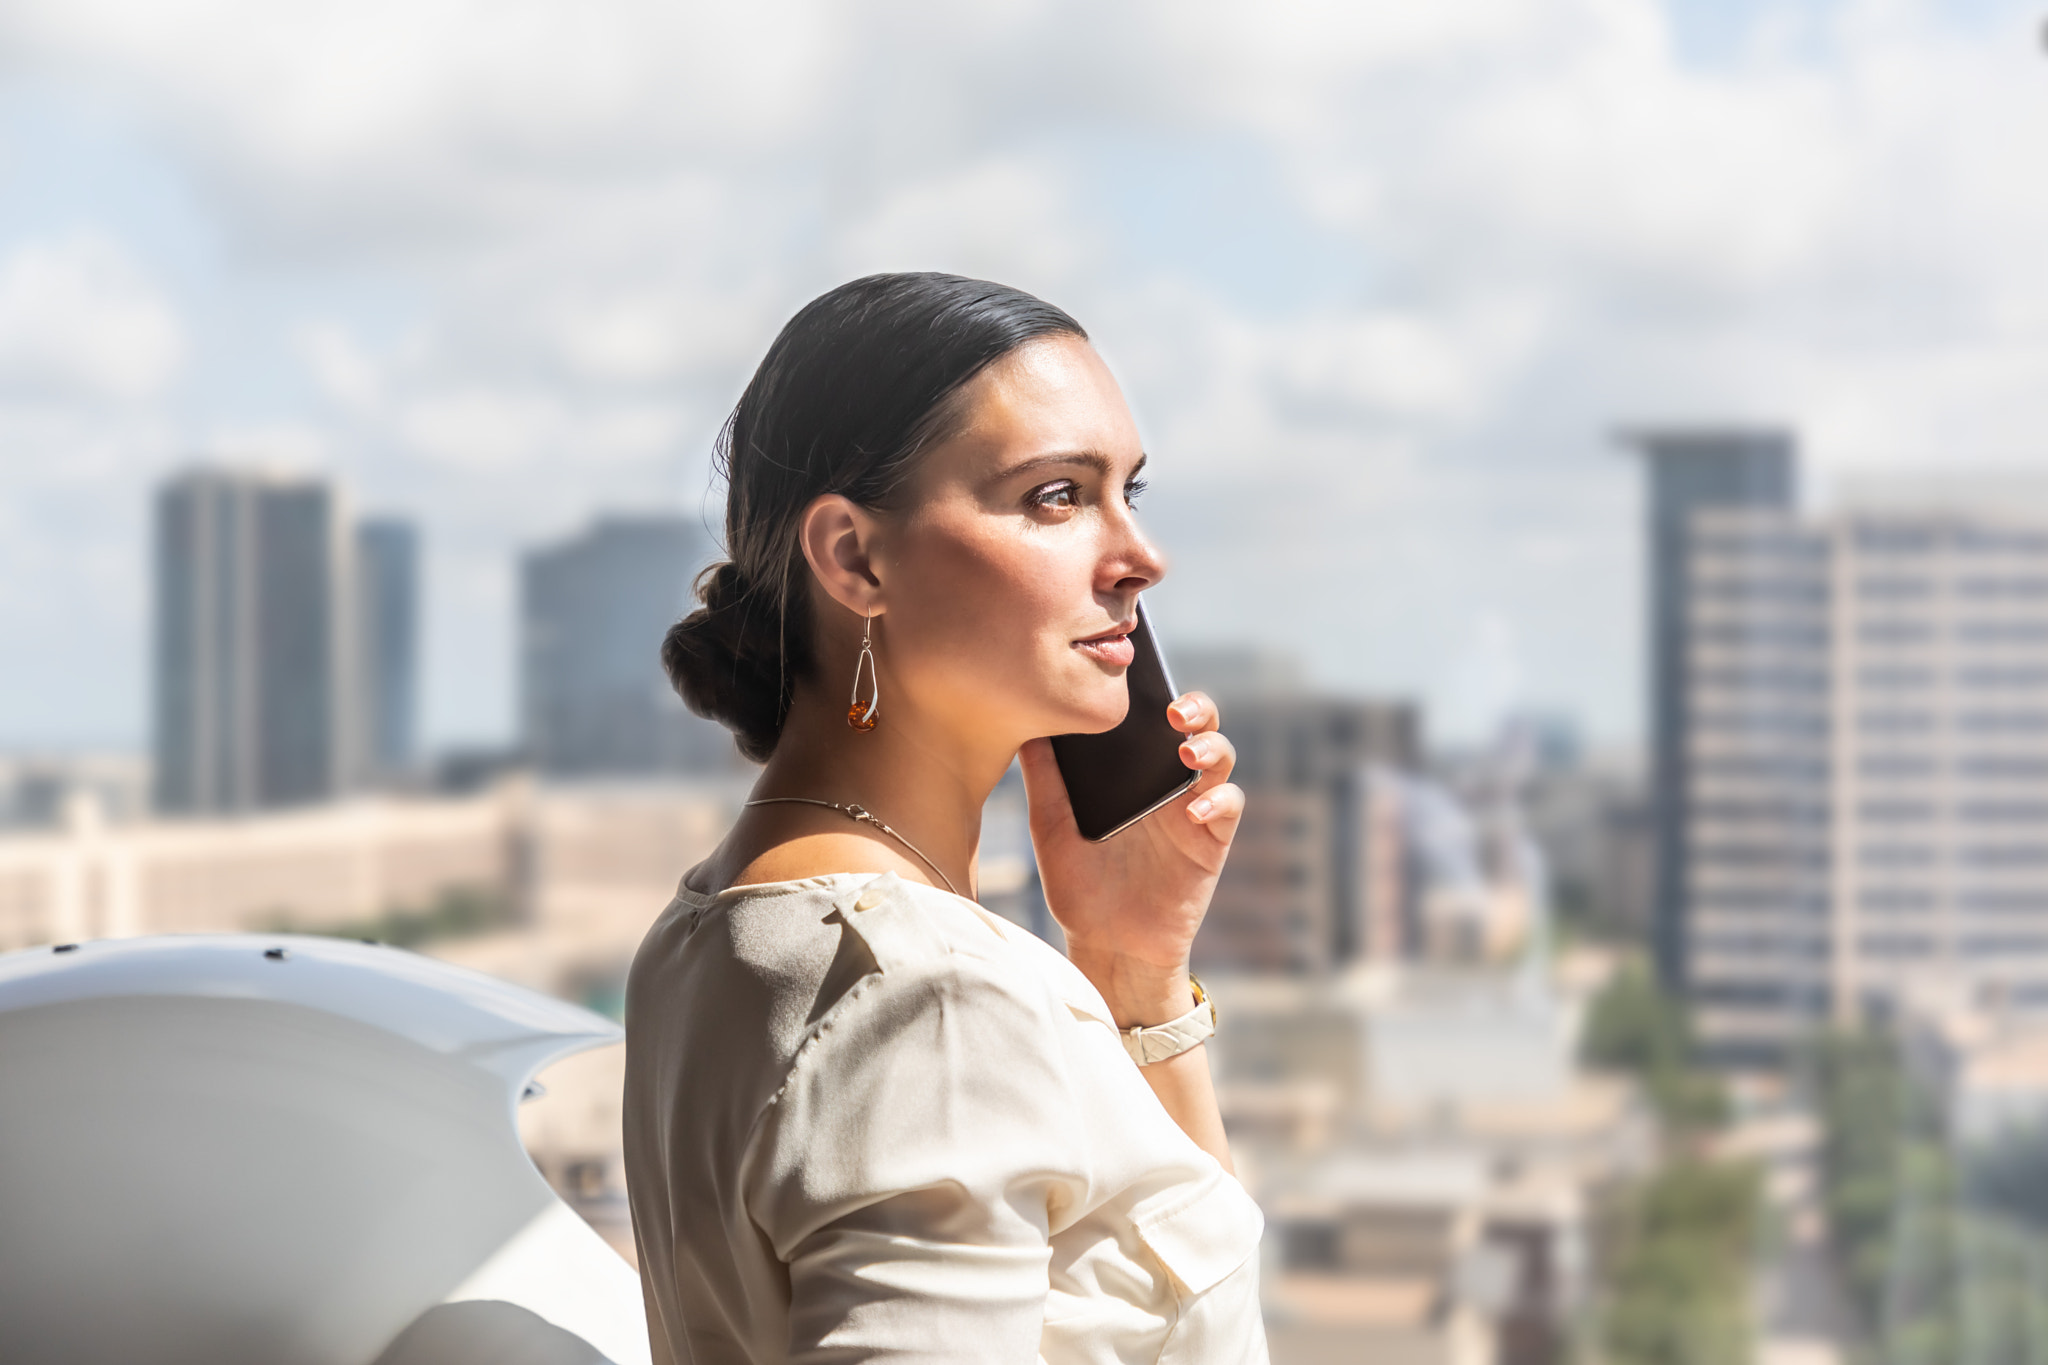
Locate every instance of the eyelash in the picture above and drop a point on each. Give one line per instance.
(1043, 497)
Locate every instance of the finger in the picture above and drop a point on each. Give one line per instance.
(1045, 791)
(1211, 755)
(1193, 712)
(1218, 810)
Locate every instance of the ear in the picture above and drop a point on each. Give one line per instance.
(838, 539)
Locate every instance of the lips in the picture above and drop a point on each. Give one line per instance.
(1112, 647)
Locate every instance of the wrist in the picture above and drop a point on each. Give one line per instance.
(1140, 993)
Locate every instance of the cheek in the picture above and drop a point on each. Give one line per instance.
(980, 605)
(992, 615)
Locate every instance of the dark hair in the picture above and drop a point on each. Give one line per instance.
(859, 384)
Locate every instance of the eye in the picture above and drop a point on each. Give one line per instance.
(1133, 490)
(1060, 495)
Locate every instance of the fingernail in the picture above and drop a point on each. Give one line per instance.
(1201, 808)
(1184, 712)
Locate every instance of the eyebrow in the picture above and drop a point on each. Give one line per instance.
(1091, 459)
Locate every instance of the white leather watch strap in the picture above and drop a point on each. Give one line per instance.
(1170, 1039)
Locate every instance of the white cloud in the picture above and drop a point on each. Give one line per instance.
(79, 319)
(342, 368)
(1370, 365)
(482, 429)
(624, 339)
(491, 432)
(289, 446)
(1005, 218)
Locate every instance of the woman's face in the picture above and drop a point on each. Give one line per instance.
(1012, 577)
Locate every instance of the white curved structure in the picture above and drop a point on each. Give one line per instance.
(297, 1151)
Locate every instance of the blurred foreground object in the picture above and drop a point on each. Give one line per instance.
(287, 1149)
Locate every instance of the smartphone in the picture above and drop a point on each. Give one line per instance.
(1117, 778)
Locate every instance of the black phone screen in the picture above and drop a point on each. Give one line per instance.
(1118, 777)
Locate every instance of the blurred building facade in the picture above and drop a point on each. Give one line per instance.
(586, 863)
(314, 866)
(387, 602)
(262, 634)
(1432, 1161)
(1688, 469)
(1314, 879)
(592, 613)
(1869, 781)
(1591, 816)
(1981, 1061)
(37, 789)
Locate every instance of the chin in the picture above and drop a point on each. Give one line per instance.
(1096, 708)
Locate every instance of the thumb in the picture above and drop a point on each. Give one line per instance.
(1044, 789)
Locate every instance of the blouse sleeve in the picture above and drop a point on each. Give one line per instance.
(909, 1168)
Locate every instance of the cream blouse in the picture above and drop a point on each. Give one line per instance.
(868, 1120)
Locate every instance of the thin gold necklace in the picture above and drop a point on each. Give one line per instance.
(865, 817)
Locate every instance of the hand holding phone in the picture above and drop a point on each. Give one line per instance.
(1122, 775)
(1130, 905)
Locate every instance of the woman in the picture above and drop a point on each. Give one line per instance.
(866, 1119)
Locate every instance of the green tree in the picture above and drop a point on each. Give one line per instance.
(1860, 1092)
(1634, 1027)
(1678, 1267)
(1679, 1288)
(456, 912)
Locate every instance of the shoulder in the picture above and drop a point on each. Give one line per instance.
(951, 1044)
(935, 963)
(927, 938)
(910, 926)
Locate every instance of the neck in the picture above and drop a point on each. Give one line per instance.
(910, 771)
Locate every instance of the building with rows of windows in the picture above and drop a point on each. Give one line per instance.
(1866, 765)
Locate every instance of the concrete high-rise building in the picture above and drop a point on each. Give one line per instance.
(285, 643)
(253, 645)
(1868, 796)
(387, 607)
(592, 612)
(1688, 470)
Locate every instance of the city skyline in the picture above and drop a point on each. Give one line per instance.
(1601, 456)
(1377, 283)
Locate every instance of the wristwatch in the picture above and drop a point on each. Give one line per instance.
(1170, 1039)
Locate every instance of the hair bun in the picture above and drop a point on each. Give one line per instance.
(726, 661)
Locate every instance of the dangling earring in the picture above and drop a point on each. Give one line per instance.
(862, 717)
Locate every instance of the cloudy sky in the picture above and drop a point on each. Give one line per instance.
(1378, 278)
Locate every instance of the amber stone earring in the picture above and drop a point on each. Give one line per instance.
(861, 716)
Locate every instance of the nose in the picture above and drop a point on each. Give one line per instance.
(1133, 563)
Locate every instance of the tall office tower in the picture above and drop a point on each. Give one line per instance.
(253, 646)
(593, 609)
(1689, 470)
(1870, 790)
(387, 650)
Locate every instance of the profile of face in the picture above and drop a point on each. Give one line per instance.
(1009, 577)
